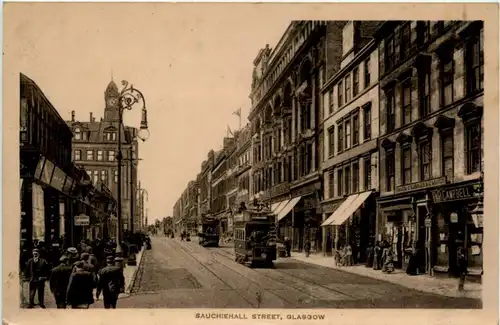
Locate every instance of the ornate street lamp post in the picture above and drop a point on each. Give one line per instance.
(129, 97)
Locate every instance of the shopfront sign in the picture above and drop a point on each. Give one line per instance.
(421, 185)
(453, 194)
(47, 172)
(39, 168)
(68, 185)
(82, 220)
(58, 179)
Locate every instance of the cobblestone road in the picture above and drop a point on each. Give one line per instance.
(179, 274)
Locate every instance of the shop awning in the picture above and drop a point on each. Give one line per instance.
(360, 199)
(288, 207)
(339, 212)
(277, 207)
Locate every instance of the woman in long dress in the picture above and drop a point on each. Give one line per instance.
(388, 259)
(377, 256)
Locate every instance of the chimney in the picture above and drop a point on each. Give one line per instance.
(91, 117)
(72, 116)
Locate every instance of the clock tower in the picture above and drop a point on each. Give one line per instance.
(111, 110)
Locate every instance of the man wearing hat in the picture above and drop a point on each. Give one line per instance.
(80, 287)
(36, 273)
(111, 280)
(59, 280)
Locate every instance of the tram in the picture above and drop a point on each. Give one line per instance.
(255, 237)
(208, 231)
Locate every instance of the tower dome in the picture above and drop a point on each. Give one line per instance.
(112, 89)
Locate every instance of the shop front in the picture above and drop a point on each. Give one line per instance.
(459, 214)
(406, 220)
(327, 209)
(353, 223)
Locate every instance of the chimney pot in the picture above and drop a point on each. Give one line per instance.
(91, 117)
(72, 116)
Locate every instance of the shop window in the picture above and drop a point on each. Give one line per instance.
(406, 164)
(447, 154)
(340, 182)
(367, 72)
(355, 177)
(90, 155)
(474, 59)
(355, 82)
(347, 88)
(368, 173)
(390, 170)
(425, 157)
(391, 109)
(447, 75)
(355, 130)
(340, 92)
(473, 147)
(99, 155)
(78, 155)
(331, 141)
(367, 120)
(331, 187)
(406, 101)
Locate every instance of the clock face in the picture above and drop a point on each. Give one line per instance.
(112, 101)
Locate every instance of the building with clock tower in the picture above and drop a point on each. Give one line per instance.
(95, 147)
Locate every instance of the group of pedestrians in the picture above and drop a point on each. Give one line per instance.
(77, 274)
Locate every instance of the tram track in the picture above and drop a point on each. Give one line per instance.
(190, 252)
(285, 274)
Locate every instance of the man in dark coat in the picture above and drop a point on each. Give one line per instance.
(36, 273)
(80, 288)
(59, 280)
(111, 280)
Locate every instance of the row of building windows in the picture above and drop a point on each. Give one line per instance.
(89, 155)
(348, 179)
(474, 82)
(348, 87)
(102, 175)
(348, 130)
(84, 134)
(424, 156)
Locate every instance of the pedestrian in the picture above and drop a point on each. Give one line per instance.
(59, 280)
(80, 288)
(288, 247)
(307, 246)
(387, 258)
(462, 267)
(119, 263)
(111, 280)
(413, 263)
(349, 260)
(36, 273)
(377, 256)
(369, 255)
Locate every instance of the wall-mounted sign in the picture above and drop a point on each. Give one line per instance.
(453, 194)
(58, 179)
(47, 172)
(39, 168)
(453, 217)
(428, 222)
(82, 220)
(421, 185)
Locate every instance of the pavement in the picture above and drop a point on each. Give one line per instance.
(129, 273)
(179, 274)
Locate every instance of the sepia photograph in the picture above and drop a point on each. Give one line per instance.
(170, 161)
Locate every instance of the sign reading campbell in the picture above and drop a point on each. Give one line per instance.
(453, 194)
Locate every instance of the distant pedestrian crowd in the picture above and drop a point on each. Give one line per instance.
(73, 273)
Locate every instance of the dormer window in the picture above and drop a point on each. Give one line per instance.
(78, 134)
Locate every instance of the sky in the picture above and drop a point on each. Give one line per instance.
(193, 63)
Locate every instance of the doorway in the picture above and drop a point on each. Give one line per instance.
(422, 238)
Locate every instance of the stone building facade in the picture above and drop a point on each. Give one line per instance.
(431, 140)
(351, 119)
